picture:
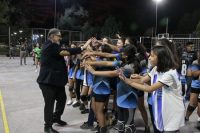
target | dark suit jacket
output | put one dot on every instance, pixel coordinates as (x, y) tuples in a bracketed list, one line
[(53, 70)]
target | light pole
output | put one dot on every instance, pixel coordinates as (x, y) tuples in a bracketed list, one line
[(157, 2), (55, 13)]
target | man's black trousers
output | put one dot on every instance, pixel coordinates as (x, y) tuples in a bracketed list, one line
[(52, 94)]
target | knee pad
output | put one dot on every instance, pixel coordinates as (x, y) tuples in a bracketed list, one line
[(105, 110), (83, 97), (191, 108), (89, 98), (71, 88)]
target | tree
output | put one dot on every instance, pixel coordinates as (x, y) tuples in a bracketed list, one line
[(20, 16), (149, 32), (189, 22), (198, 29), (91, 30), (73, 18), (185, 23), (111, 27), (4, 10)]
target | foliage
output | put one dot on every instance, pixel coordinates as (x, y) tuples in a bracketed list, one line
[(20, 16), (73, 18), (4, 50), (4, 9), (189, 22), (90, 30), (198, 29), (111, 27)]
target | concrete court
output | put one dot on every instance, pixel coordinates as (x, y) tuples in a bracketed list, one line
[(24, 103)]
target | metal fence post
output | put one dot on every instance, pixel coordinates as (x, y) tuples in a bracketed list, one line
[(70, 37), (9, 37)]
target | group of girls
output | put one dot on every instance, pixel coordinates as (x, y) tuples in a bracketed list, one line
[(79, 82), (126, 71)]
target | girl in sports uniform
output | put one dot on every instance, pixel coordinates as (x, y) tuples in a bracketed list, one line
[(167, 101)]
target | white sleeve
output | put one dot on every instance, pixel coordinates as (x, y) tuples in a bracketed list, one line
[(167, 79)]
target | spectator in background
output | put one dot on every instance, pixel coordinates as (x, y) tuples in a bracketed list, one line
[(29, 49), (23, 49), (33, 53), (12, 51), (37, 51)]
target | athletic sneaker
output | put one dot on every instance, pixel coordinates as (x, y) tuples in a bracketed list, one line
[(86, 126), (76, 104), (198, 119), (69, 102), (95, 128), (85, 111), (82, 106), (147, 129), (130, 128), (120, 127), (198, 125)]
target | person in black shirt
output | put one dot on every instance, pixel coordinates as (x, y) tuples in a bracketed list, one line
[(11, 51), (188, 56), (53, 78)]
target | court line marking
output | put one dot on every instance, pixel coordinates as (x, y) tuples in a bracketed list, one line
[(5, 122)]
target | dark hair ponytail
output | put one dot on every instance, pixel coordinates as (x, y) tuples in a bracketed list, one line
[(130, 51)]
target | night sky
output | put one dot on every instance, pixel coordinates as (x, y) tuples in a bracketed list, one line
[(139, 12)]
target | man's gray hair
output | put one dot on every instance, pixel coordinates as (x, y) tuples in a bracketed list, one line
[(53, 31)]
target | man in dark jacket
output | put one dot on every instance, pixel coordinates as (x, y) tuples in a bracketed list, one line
[(53, 78)]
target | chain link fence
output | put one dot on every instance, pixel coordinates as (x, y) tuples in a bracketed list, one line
[(149, 42), (12, 37)]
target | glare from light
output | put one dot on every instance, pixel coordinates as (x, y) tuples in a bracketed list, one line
[(158, 1), (20, 31), (15, 33), (35, 36)]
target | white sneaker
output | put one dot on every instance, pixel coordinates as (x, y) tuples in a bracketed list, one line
[(69, 102), (198, 119), (74, 102)]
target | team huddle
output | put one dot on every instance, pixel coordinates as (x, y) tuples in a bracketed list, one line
[(100, 72), (127, 70)]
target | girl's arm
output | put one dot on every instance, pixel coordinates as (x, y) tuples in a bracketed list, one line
[(104, 63), (139, 79), (100, 63), (113, 73), (67, 52), (101, 54), (195, 73), (113, 47), (143, 87), (189, 73), (87, 44)]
